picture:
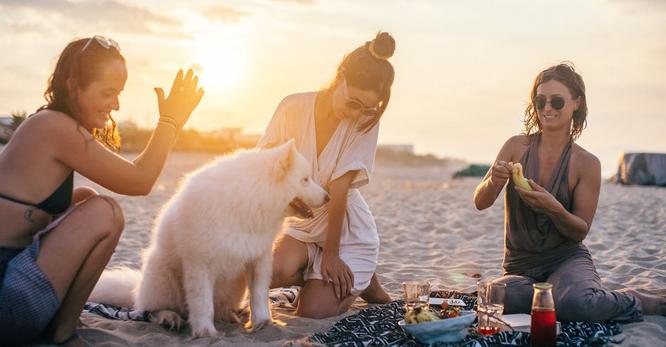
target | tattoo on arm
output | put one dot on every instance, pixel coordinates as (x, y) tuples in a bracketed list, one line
[(27, 215)]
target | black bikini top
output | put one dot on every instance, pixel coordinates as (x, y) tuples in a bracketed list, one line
[(58, 202)]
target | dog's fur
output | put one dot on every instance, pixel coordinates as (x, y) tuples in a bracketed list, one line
[(213, 240)]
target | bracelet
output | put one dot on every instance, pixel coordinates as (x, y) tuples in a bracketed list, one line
[(170, 119), (169, 124)]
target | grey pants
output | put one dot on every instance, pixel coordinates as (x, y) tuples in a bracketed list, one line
[(577, 292)]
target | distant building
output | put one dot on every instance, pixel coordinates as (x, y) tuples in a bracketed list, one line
[(6, 128), (397, 148)]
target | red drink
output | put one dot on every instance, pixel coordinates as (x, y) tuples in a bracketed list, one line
[(543, 329), (488, 330)]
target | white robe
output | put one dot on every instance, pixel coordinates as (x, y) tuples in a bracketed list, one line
[(348, 149)]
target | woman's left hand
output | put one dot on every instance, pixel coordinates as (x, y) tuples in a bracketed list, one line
[(182, 99), (540, 199), (337, 273)]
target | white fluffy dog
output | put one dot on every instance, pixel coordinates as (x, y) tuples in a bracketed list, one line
[(213, 240)]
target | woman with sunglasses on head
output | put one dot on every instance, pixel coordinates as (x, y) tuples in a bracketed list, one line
[(56, 239), (545, 226), (333, 255)]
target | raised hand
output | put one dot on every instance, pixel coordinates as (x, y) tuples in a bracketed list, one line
[(182, 100)]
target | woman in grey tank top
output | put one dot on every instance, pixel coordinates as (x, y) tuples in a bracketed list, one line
[(545, 226)]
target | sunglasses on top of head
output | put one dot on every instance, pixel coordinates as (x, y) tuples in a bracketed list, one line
[(103, 41), (355, 105), (556, 102)]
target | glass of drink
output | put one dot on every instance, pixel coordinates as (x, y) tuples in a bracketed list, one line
[(490, 306), (410, 293), (424, 293), (416, 293), (544, 325)]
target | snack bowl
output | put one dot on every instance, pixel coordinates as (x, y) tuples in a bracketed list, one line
[(443, 330)]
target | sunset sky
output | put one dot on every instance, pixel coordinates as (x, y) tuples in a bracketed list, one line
[(464, 69)]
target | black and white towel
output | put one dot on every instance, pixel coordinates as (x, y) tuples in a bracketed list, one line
[(378, 326), (279, 297)]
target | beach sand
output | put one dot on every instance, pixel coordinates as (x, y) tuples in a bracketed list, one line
[(429, 229)]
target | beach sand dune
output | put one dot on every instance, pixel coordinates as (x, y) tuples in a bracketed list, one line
[(429, 230)]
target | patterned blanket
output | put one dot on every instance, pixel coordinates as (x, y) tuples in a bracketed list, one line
[(378, 326)]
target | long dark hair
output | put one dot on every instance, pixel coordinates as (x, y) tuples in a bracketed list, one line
[(566, 74), (81, 66), (367, 67)]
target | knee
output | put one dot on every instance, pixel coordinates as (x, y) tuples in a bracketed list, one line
[(315, 311), (82, 193), (107, 213)]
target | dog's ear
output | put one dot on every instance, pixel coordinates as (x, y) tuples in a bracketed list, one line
[(286, 157)]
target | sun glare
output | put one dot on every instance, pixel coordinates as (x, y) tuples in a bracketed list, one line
[(221, 66)]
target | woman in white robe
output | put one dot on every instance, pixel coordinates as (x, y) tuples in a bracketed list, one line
[(334, 254)]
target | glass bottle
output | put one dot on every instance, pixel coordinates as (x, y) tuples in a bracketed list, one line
[(543, 329)]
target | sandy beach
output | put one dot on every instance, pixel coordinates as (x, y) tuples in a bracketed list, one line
[(430, 230)]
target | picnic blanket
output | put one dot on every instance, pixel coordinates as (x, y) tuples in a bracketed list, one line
[(378, 326)]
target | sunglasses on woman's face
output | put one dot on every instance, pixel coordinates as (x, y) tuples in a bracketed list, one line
[(355, 105), (556, 102), (103, 41)]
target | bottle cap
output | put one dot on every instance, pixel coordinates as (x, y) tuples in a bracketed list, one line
[(542, 285)]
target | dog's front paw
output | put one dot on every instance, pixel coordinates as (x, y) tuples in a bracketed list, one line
[(168, 319), (256, 325), (203, 328)]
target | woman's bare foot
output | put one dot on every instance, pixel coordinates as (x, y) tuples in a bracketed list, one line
[(375, 294), (650, 304)]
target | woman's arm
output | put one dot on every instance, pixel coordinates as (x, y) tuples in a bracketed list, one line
[(77, 149), (576, 224), (492, 184), (332, 267)]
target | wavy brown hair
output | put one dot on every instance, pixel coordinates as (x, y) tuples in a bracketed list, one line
[(82, 67), (566, 74), (367, 68)]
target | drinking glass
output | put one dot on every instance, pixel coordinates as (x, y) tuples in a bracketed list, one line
[(424, 293), (415, 292), (410, 293), (490, 306)]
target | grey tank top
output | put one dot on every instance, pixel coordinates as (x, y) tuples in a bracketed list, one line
[(531, 239)]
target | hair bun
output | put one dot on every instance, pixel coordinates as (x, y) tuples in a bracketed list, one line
[(383, 46)]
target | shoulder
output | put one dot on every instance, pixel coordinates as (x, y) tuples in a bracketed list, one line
[(298, 99), (48, 123), (583, 160), (521, 140), (296, 105), (516, 145)]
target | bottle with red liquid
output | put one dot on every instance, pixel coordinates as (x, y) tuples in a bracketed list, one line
[(544, 328)]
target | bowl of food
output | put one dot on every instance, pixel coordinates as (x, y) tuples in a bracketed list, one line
[(429, 326)]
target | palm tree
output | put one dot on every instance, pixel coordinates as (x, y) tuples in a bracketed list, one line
[(7, 129), (17, 118)]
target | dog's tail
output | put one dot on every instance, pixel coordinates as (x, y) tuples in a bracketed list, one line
[(116, 287)]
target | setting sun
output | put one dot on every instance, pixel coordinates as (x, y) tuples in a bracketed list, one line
[(221, 65)]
